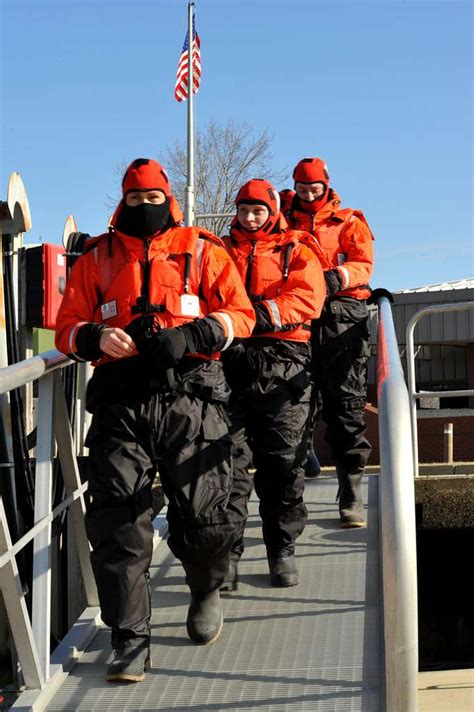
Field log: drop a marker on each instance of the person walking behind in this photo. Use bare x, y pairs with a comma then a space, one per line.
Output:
270, 375
342, 240
152, 304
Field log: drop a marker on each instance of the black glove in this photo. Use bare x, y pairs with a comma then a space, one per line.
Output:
167, 348
88, 340
164, 348
204, 336
264, 322
141, 330
236, 365
333, 281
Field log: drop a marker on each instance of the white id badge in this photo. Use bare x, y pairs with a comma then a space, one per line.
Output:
189, 305
108, 310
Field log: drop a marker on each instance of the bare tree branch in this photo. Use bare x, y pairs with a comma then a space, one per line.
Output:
225, 157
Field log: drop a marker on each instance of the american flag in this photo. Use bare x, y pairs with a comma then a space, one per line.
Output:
182, 83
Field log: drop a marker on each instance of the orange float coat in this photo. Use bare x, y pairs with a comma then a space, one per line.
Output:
188, 272
341, 238
282, 274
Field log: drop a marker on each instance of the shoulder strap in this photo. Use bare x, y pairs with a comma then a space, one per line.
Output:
207, 235
91, 242
287, 250
110, 256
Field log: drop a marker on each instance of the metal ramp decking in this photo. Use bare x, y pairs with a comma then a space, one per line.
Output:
316, 647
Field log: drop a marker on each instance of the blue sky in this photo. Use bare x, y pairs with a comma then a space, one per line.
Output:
381, 89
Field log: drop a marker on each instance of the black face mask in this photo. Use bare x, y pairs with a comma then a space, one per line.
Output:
143, 220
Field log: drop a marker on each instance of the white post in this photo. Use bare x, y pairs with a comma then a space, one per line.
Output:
448, 443
189, 195
41, 615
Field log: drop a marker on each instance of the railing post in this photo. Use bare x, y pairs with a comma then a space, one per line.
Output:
84, 418
31, 636
72, 481
413, 394
41, 611
411, 391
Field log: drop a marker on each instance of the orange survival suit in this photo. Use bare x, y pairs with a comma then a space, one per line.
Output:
343, 241
269, 372
177, 293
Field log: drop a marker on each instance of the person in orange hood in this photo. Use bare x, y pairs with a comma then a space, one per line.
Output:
269, 375
152, 305
342, 240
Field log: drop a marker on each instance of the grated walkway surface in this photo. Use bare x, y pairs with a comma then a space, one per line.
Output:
315, 647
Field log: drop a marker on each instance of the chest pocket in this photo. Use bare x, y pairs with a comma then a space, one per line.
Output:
329, 237
272, 270
116, 298
174, 282
159, 283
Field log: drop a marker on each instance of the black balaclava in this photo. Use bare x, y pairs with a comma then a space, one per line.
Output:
146, 219
143, 220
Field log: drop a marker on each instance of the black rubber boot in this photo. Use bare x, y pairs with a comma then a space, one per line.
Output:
130, 663
230, 583
312, 467
283, 571
351, 507
205, 618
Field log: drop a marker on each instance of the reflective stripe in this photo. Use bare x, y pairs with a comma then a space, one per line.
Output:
345, 276
72, 336
200, 247
275, 313
230, 329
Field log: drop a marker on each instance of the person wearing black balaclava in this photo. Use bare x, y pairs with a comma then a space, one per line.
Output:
152, 304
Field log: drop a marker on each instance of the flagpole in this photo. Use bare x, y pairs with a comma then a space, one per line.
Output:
189, 195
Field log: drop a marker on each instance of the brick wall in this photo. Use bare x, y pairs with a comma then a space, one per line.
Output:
430, 438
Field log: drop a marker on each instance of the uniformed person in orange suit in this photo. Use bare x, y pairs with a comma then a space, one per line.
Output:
270, 375
342, 240
152, 305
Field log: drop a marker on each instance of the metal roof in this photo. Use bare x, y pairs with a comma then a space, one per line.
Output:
442, 287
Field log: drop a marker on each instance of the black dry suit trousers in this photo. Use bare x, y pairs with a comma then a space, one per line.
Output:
270, 409
340, 341
177, 426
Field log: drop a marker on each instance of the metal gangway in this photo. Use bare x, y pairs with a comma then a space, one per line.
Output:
344, 639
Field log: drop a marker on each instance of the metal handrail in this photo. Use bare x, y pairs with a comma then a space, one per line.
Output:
397, 517
32, 638
19, 374
414, 395
397, 522
215, 215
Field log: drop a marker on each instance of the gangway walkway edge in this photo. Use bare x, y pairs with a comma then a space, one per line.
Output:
397, 534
